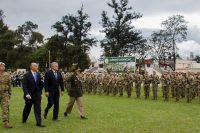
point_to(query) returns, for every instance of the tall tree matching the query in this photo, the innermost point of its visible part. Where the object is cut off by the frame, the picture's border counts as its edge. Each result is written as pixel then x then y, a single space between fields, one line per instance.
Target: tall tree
pixel 28 40
pixel 7 41
pixel 160 45
pixel 74 31
pixel 176 28
pixel 121 38
pixel 164 42
pixel 28 36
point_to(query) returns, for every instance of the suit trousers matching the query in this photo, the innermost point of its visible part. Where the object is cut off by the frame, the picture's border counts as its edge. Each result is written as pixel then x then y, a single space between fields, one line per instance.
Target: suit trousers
pixel 37 109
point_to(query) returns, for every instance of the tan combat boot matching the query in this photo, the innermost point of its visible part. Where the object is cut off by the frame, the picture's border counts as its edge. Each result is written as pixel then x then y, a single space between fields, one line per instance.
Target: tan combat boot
pixel 7 125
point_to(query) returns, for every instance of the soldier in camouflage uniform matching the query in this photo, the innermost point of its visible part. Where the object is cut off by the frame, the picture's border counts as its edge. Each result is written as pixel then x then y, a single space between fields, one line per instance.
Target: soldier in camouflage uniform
pixel 147 82
pixel 138 81
pixel 120 85
pixel 155 82
pixel 198 85
pixel 99 84
pixel 189 87
pixel 195 85
pixel 128 80
pixel 179 82
pixel 115 83
pixel 110 84
pixel 183 87
pixel 105 82
pixel 165 80
pixel 89 84
pixel 94 83
pixel 173 84
pixel 5 93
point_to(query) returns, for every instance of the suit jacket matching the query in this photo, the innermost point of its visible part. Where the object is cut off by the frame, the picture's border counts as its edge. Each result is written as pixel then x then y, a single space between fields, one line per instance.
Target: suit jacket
pixel 32 87
pixel 52 84
pixel 75 87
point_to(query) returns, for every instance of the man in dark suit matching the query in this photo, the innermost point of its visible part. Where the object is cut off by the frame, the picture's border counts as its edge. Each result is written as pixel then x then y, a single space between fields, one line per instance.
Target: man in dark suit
pixel 32 87
pixel 53 82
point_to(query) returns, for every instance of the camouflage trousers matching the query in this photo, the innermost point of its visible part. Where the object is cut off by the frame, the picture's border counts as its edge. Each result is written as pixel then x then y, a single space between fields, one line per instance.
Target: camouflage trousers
pixel 109 89
pixel 4 102
pixel 182 91
pixel 121 90
pixel 189 93
pixel 155 91
pixel 178 92
pixel 138 89
pixel 199 92
pixel 173 90
pixel 99 89
pixel 128 89
pixel 165 92
pixel 146 90
pixel 115 90
pixel 94 88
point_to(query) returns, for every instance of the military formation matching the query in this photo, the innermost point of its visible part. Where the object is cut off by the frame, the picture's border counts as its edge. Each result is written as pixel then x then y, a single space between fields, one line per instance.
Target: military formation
pixel 177 85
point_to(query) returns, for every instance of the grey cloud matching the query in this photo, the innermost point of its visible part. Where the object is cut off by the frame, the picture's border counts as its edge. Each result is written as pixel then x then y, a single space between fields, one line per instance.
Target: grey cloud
pixel 194 34
pixel 46 12
pixel 152 7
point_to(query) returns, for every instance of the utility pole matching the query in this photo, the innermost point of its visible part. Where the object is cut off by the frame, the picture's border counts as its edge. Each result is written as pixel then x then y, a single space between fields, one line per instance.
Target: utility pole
pixel 49 59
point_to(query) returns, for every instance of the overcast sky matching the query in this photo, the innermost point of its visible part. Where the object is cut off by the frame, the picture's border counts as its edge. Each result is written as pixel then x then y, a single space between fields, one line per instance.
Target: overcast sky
pixel 46 12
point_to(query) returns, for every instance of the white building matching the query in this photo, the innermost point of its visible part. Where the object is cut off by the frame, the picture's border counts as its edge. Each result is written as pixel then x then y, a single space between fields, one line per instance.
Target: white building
pixel 187 65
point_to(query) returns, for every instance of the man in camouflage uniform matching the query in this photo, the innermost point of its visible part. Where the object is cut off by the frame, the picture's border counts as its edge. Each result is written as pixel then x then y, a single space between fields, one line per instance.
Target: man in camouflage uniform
pixel 173 84
pixel 165 80
pixel 120 85
pixel 189 87
pixel 138 81
pixel 178 89
pixel 147 82
pixel 99 84
pixel 155 82
pixel 110 84
pixel 114 84
pixel 195 85
pixel 128 80
pixel 198 85
pixel 105 82
pixel 94 83
pixel 5 93
pixel 89 84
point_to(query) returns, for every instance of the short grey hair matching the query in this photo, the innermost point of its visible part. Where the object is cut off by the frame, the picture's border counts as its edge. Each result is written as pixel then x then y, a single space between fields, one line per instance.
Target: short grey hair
pixel 33 63
pixel 53 63
pixel 1 63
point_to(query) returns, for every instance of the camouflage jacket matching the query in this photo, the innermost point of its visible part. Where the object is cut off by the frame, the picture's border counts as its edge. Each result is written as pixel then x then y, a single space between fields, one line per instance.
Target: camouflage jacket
pixel 5 82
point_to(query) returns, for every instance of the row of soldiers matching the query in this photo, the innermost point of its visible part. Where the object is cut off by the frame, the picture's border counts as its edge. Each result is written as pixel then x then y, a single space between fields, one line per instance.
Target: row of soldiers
pixel 177 84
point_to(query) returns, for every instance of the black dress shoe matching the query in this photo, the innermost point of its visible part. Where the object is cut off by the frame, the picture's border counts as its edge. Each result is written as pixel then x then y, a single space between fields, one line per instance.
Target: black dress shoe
pixel 39 125
pixel 65 114
pixel 83 117
pixel 45 115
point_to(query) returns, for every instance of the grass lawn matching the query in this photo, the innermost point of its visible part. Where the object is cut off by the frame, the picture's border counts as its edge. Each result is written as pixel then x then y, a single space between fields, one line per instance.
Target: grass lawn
pixel 109 114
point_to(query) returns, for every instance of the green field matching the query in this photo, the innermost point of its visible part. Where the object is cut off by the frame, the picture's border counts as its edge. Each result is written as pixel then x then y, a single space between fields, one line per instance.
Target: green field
pixel 109 114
